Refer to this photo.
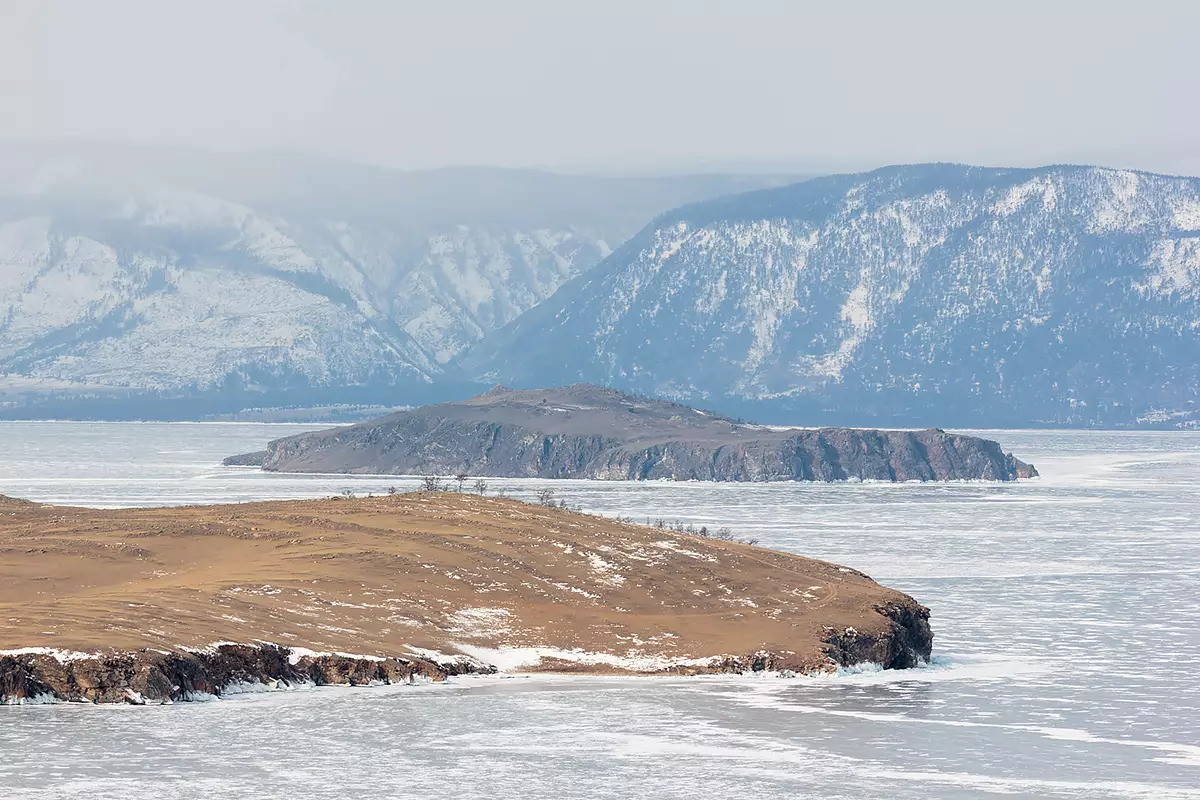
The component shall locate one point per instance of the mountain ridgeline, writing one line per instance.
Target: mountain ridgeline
(585, 431)
(910, 296)
(914, 295)
(272, 279)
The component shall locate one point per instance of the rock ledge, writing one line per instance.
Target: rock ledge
(155, 676)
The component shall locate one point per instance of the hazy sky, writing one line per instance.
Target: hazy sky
(619, 83)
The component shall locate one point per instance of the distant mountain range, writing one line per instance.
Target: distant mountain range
(245, 278)
(151, 283)
(926, 294)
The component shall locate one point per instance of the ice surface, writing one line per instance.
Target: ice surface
(1064, 657)
(515, 659)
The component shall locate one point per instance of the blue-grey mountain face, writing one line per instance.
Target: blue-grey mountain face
(133, 270)
(921, 294)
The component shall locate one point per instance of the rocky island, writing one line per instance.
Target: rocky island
(159, 604)
(584, 431)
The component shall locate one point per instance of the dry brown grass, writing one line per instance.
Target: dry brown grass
(375, 575)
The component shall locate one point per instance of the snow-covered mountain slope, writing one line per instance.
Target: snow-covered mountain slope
(927, 294)
(170, 271)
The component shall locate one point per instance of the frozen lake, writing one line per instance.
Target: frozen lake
(1065, 612)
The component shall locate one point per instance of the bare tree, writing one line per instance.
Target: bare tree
(546, 498)
(461, 478)
(480, 487)
(391, 490)
(723, 534)
(431, 483)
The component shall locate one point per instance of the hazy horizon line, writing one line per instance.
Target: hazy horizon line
(803, 167)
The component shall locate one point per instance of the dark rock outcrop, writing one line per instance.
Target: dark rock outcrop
(255, 459)
(154, 676)
(906, 644)
(584, 431)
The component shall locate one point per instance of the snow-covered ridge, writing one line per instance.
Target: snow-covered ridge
(929, 294)
(259, 298)
(198, 272)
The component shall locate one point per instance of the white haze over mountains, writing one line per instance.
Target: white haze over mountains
(138, 269)
(675, 84)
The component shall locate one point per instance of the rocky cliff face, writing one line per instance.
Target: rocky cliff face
(153, 676)
(147, 676)
(907, 644)
(924, 294)
(585, 431)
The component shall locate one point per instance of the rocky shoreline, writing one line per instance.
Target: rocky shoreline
(172, 604)
(149, 676)
(155, 676)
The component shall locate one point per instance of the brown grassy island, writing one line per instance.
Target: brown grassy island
(166, 603)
